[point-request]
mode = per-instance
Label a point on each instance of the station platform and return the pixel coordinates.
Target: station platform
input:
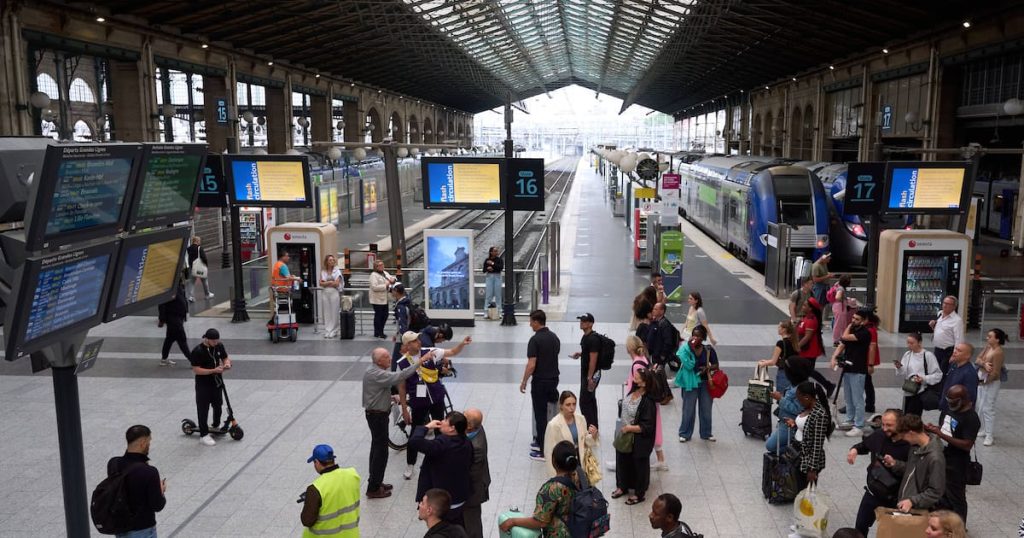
(290, 397)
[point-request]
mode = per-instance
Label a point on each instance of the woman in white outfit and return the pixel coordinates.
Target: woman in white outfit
(920, 365)
(568, 425)
(330, 296)
(990, 371)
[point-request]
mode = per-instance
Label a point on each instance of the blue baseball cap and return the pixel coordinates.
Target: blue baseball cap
(321, 453)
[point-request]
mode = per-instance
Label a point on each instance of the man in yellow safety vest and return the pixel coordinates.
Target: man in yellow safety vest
(331, 506)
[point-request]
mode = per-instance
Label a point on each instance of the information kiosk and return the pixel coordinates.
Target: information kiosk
(307, 243)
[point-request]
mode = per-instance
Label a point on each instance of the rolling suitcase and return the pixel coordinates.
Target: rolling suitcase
(779, 478)
(756, 418)
(347, 323)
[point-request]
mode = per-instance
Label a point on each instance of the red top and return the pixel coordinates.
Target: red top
(875, 359)
(812, 350)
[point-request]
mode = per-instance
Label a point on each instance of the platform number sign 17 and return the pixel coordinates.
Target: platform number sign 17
(525, 181)
(865, 183)
(886, 119)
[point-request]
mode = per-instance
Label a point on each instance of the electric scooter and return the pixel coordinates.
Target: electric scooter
(230, 427)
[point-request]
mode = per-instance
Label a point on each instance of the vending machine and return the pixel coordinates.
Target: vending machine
(307, 243)
(916, 269)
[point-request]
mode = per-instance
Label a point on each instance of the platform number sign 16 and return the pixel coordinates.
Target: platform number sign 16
(526, 184)
(864, 185)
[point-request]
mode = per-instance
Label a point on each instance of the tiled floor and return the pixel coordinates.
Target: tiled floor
(290, 397)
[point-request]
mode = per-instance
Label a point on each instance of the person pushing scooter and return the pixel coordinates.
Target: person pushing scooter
(209, 361)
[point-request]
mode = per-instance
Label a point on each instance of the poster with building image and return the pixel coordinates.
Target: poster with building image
(448, 257)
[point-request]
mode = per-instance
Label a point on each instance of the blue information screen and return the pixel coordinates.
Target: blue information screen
(474, 183)
(88, 193)
(269, 181)
(69, 289)
(931, 188)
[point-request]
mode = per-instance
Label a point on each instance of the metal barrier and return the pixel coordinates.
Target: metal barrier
(778, 263)
(1002, 305)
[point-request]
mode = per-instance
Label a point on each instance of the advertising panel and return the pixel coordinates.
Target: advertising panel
(369, 197)
(671, 265)
(670, 181)
(448, 256)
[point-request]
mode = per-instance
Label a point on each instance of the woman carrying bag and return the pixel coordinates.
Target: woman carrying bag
(634, 439)
(331, 285)
(813, 426)
(920, 371)
(568, 425)
(698, 363)
(638, 354)
(199, 269)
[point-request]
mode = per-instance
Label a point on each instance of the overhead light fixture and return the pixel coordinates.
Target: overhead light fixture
(317, 75)
(832, 68)
(352, 85)
(767, 88)
(205, 45)
(794, 79)
(270, 62)
(967, 24)
(885, 51)
(101, 19)
(1013, 106)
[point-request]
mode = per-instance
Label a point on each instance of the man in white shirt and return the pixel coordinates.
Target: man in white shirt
(948, 331)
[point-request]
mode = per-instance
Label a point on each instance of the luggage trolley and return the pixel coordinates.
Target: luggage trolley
(283, 325)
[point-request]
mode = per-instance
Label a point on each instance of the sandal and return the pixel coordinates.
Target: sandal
(634, 500)
(618, 493)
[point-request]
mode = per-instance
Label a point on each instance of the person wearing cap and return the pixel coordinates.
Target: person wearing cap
(447, 460)
(377, 383)
(811, 345)
(331, 503)
(820, 275)
(590, 376)
(209, 361)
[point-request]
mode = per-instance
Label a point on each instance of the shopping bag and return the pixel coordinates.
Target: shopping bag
(516, 532)
(760, 388)
(810, 512)
(199, 269)
(591, 466)
(895, 524)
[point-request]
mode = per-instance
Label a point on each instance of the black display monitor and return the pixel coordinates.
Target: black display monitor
(21, 160)
(167, 186)
(81, 194)
(463, 183)
(213, 191)
(147, 271)
(60, 294)
(268, 180)
(932, 188)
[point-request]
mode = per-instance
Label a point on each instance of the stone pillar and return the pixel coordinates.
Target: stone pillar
(217, 134)
(322, 126)
(132, 92)
(14, 84)
(354, 121)
(279, 118)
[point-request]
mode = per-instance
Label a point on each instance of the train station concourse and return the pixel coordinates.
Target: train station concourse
(250, 206)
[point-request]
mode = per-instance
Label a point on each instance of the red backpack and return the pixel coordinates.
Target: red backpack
(830, 295)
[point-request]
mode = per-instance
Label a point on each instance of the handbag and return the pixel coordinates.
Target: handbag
(591, 466)
(975, 470)
(623, 441)
(910, 387)
(882, 483)
(718, 383)
(760, 388)
(199, 269)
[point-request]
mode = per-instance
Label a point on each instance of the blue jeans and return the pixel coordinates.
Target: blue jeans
(492, 289)
(782, 383)
(781, 436)
(853, 392)
(696, 402)
(141, 533)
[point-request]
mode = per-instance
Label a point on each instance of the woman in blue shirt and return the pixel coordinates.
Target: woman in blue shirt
(796, 372)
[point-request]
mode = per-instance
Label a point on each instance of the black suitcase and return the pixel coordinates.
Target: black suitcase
(779, 479)
(756, 418)
(347, 323)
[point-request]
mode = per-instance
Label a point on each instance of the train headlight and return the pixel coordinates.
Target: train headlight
(822, 241)
(856, 229)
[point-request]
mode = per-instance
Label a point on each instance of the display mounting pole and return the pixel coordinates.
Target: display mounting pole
(239, 314)
(508, 316)
(394, 190)
(874, 232)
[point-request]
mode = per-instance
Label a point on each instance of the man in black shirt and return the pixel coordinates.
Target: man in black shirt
(590, 376)
(144, 487)
(958, 427)
(542, 365)
(856, 341)
(879, 444)
(661, 340)
(209, 361)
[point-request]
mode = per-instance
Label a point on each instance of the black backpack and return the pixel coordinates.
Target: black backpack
(418, 318)
(111, 513)
(606, 353)
(588, 514)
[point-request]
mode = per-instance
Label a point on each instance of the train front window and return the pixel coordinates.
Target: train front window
(793, 194)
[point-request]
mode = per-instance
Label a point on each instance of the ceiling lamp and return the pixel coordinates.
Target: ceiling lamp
(39, 100)
(1013, 106)
(303, 122)
(359, 154)
(247, 116)
(403, 153)
(334, 153)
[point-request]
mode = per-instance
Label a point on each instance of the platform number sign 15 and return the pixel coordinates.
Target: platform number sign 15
(222, 111)
(212, 189)
(865, 183)
(525, 184)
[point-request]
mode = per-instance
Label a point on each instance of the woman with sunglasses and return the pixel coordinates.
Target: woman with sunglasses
(698, 363)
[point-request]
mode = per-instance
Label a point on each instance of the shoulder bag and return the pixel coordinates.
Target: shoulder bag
(975, 470)
(911, 387)
(930, 396)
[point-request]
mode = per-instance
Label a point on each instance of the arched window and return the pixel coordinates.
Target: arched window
(47, 85)
(83, 133)
(81, 92)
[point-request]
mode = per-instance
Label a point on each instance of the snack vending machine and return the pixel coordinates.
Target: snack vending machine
(307, 243)
(916, 269)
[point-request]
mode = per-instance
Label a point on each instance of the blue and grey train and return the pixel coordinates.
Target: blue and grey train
(848, 234)
(734, 198)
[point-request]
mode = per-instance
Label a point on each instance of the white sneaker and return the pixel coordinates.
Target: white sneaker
(209, 296)
(191, 299)
(663, 466)
(610, 465)
(854, 432)
(988, 440)
(409, 469)
(207, 440)
(167, 362)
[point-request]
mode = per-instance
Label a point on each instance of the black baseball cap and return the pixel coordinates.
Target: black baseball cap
(212, 334)
(586, 317)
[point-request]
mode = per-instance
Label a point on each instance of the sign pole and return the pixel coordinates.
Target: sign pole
(508, 317)
(238, 302)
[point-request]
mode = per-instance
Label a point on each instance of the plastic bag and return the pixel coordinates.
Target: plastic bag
(516, 532)
(810, 512)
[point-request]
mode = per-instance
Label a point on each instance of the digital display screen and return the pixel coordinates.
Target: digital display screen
(449, 280)
(147, 271)
(81, 194)
(212, 189)
(170, 174)
(462, 183)
(269, 180)
(931, 187)
(58, 295)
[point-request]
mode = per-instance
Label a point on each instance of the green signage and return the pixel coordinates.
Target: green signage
(708, 195)
(671, 264)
